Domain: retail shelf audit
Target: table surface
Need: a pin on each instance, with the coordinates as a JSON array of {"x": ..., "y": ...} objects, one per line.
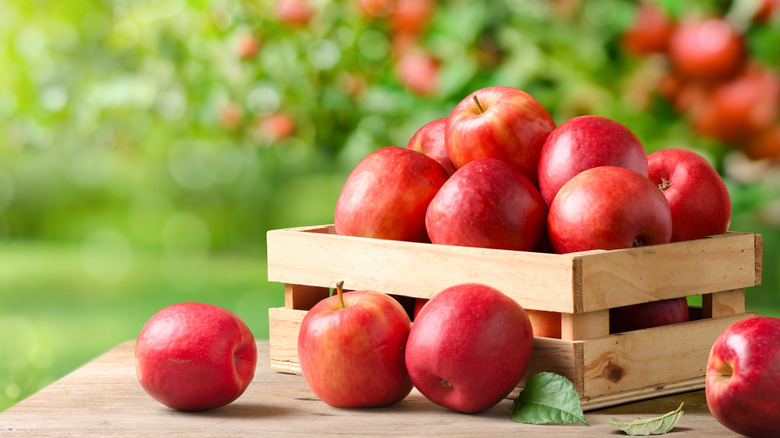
[{"x": 103, "y": 398}]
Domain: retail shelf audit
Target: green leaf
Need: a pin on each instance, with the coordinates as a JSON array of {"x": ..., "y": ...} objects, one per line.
[
  {"x": 653, "y": 426},
  {"x": 548, "y": 398}
]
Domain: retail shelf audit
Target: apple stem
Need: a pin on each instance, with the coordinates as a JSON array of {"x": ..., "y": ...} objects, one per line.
[
  {"x": 725, "y": 374},
  {"x": 340, "y": 293},
  {"x": 476, "y": 100}
]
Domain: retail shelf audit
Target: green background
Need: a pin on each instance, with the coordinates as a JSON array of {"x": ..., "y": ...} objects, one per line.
[{"x": 123, "y": 188}]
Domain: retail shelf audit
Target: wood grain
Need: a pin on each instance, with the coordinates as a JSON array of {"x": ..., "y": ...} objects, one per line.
[
  {"x": 571, "y": 283},
  {"x": 104, "y": 399}
]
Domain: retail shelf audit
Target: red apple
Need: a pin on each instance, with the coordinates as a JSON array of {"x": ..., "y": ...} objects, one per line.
[
  {"x": 698, "y": 198},
  {"x": 418, "y": 305},
  {"x": 411, "y": 17},
  {"x": 763, "y": 145},
  {"x": 498, "y": 122},
  {"x": 230, "y": 115},
  {"x": 387, "y": 194},
  {"x": 585, "y": 142},
  {"x": 608, "y": 207},
  {"x": 646, "y": 315},
  {"x": 708, "y": 49},
  {"x": 429, "y": 140},
  {"x": 650, "y": 31},
  {"x": 743, "y": 377},
  {"x": 766, "y": 10},
  {"x": 375, "y": 8},
  {"x": 469, "y": 347},
  {"x": 488, "y": 204},
  {"x": 418, "y": 71},
  {"x": 545, "y": 323},
  {"x": 271, "y": 128},
  {"x": 351, "y": 350},
  {"x": 195, "y": 356},
  {"x": 740, "y": 107},
  {"x": 248, "y": 46},
  {"x": 294, "y": 12}
]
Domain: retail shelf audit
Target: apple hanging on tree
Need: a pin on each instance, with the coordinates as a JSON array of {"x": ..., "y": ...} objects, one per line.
[{"x": 351, "y": 348}]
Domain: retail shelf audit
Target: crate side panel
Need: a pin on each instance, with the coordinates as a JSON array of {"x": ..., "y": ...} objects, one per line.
[
  {"x": 283, "y": 328},
  {"x": 536, "y": 281},
  {"x": 623, "y": 277},
  {"x": 642, "y": 358}
]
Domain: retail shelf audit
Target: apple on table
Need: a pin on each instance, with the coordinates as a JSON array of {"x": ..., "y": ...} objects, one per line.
[
  {"x": 195, "y": 356},
  {"x": 742, "y": 382},
  {"x": 469, "y": 347},
  {"x": 351, "y": 349}
]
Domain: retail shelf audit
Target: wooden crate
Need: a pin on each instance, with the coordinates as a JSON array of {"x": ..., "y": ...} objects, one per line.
[{"x": 607, "y": 369}]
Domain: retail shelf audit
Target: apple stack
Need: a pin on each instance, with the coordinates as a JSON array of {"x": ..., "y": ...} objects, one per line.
[{"x": 598, "y": 242}]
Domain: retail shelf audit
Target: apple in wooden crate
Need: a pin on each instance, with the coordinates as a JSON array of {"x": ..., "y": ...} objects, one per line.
[
  {"x": 647, "y": 315},
  {"x": 585, "y": 142},
  {"x": 487, "y": 203},
  {"x": 545, "y": 323},
  {"x": 698, "y": 198},
  {"x": 429, "y": 140},
  {"x": 469, "y": 347},
  {"x": 195, "y": 356},
  {"x": 743, "y": 377},
  {"x": 387, "y": 194},
  {"x": 608, "y": 207},
  {"x": 505, "y": 123},
  {"x": 351, "y": 349}
]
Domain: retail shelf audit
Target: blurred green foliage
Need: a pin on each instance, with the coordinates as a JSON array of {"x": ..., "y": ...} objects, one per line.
[{"x": 141, "y": 162}]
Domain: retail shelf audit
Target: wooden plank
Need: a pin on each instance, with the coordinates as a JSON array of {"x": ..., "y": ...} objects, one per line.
[
  {"x": 569, "y": 283},
  {"x": 674, "y": 353},
  {"x": 648, "y": 392},
  {"x": 579, "y": 326},
  {"x": 724, "y": 303},
  {"x": 623, "y": 277},
  {"x": 283, "y": 328},
  {"x": 303, "y": 297},
  {"x": 103, "y": 399},
  {"x": 535, "y": 280}
]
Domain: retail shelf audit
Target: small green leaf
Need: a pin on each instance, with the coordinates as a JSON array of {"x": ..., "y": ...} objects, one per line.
[
  {"x": 548, "y": 398},
  {"x": 653, "y": 426}
]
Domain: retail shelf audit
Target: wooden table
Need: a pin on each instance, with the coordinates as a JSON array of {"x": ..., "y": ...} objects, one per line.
[{"x": 103, "y": 398}]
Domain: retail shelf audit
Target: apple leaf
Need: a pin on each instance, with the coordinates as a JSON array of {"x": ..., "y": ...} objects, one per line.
[
  {"x": 548, "y": 398},
  {"x": 653, "y": 426}
]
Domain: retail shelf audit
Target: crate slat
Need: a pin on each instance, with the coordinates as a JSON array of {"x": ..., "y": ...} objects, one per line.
[{"x": 570, "y": 283}]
